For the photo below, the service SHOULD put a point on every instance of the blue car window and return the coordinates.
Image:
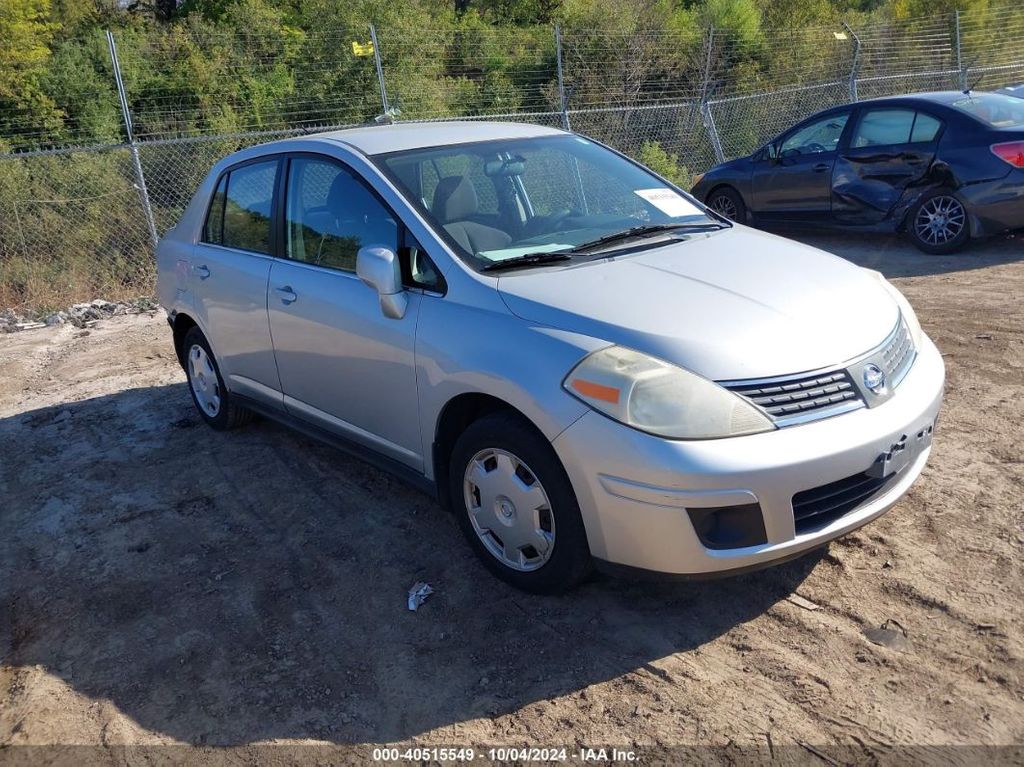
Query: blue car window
(819, 136)
(926, 128)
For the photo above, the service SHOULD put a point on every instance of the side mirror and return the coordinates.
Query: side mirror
(378, 267)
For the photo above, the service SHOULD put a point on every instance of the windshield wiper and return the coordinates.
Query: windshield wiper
(527, 259)
(637, 232)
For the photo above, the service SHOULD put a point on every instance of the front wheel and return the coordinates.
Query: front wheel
(728, 202)
(938, 224)
(516, 507)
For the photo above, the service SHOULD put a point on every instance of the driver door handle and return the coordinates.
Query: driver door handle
(821, 167)
(286, 294)
(202, 272)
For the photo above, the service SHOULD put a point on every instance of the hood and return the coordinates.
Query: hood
(728, 305)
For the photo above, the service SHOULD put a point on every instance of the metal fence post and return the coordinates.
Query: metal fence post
(855, 66)
(380, 71)
(705, 105)
(140, 177)
(563, 103)
(961, 71)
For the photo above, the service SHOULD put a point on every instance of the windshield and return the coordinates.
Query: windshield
(993, 109)
(500, 200)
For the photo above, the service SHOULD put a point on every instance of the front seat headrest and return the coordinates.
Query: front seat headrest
(454, 199)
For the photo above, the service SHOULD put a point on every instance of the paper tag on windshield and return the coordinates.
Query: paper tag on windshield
(668, 202)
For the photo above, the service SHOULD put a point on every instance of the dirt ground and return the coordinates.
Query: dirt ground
(163, 583)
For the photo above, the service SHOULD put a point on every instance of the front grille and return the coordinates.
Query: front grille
(897, 354)
(818, 506)
(788, 397)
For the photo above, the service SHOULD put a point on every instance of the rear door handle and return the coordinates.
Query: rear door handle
(821, 167)
(286, 294)
(202, 271)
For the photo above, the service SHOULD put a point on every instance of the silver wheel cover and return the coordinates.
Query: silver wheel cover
(202, 377)
(509, 510)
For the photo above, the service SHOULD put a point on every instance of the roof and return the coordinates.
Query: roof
(938, 97)
(378, 139)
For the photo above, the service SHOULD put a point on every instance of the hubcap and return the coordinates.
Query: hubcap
(203, 379)
(940, 220)
(509, 510)
(724, 205)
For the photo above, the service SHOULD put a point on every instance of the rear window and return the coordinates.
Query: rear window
(993, 109)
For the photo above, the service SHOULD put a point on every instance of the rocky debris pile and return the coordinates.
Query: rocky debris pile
(80, 315)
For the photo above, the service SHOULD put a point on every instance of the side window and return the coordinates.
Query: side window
(926, 128)
(331, 214)
(819, 136)
(213, 229)
(884, 127)
(247, 206)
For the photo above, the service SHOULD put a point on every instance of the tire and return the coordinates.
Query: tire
(209, 394)
(497, 467)
(939, 223)
(729, 203)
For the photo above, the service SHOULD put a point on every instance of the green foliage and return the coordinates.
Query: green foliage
(739, 18)
(665, 164)
(25, 35)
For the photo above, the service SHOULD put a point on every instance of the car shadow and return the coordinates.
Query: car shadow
(895, 257)
(226, 588)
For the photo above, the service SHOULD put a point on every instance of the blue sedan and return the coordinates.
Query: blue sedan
(942, 168)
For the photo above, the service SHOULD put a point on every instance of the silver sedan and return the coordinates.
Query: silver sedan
(583, 363)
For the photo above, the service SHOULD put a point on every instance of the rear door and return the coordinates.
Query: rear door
(344, 366)
(890, 151)
(793, 180)
(230, 268)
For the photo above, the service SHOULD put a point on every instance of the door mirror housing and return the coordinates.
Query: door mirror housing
(789, 154)
(379, 268)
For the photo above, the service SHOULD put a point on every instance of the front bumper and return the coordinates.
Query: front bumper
(636, 491)
(996, 206)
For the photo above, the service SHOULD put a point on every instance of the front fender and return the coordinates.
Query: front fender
(474, 350)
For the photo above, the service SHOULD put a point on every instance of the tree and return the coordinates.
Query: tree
(25, 36)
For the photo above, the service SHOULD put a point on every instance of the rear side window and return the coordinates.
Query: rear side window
(213, 230)
(239, 215)
(925, 129)
(885, 127)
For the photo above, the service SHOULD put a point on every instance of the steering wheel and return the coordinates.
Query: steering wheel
(559, 215)
(816, 147)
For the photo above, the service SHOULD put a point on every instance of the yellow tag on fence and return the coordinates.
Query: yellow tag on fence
(361, 49)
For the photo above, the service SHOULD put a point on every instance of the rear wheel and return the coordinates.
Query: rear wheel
(209, 394)
(938, 224)
(516, 507)
(729, 203)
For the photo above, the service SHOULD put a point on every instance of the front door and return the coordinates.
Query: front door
(890, 151)
(344, 366)
(793, 181)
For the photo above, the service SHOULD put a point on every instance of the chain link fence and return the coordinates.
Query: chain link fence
(78, 223)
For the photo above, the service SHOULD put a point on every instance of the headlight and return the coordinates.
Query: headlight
(660, 398)
(905, 308)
